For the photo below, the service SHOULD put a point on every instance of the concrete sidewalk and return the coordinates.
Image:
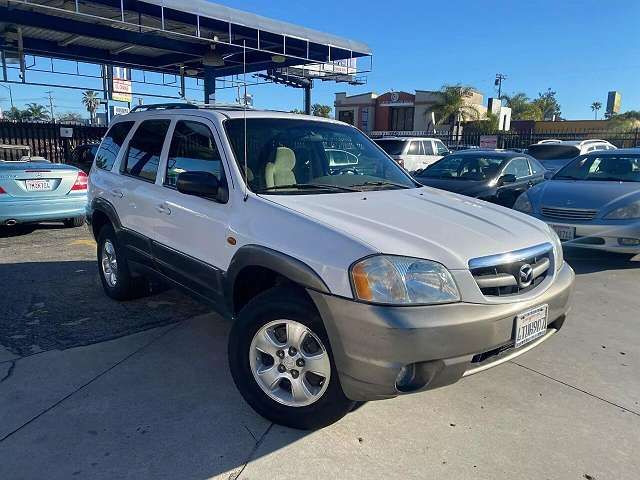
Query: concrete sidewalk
(161, 404)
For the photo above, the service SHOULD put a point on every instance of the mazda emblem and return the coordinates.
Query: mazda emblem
(525, 275)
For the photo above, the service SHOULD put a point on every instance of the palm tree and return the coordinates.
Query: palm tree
(595, 106)
(518, 103)
(453, 105)
(91, 101)
(36, 113)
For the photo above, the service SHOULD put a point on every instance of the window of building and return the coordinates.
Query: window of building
(145, 148)
(110, 147)
(346, 116)
(364, 119)
(193, 149)
(402, 118)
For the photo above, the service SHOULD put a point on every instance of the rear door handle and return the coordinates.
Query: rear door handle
(117, 193)
(162, 208)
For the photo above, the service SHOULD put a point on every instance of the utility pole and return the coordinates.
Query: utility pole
(50, 96)
(498, 83)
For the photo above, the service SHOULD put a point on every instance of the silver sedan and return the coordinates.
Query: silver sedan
(593, 202)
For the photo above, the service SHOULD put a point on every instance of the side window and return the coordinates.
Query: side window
(536, 168)
(518, 167)
(110, 146)
(193, 149)
(145, 148)
(414, 148)
(441, 149)
(428, 147)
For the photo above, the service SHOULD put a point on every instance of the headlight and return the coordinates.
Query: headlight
(558, 254)
(523, 204)
(630, 212)
(402, 280)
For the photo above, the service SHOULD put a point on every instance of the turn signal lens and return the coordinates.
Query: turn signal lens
(2, 191)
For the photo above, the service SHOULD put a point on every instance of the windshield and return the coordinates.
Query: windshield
(392, 147)
(464, 167)
(617, 168)
(553, 152)
(291, 156)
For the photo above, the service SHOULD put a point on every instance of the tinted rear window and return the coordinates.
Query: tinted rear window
(113, 140)
(145, 148)
(553, 152)
(392, 147)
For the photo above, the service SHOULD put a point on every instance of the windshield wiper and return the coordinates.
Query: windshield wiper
(606, 179)
(307, 186)
(564, 177)
(380, 184)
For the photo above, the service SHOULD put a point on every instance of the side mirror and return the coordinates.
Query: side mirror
(201, 184)
(508, 178)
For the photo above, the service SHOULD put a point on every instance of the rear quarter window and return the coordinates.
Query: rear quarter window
(111, 145)
(143, 156)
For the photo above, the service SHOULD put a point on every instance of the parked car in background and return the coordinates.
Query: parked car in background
(413, 153)
(343, 285)
(594, 202)
(83, 155)
(35, 191)
(555, 154)
(492, 175)
(18, 153)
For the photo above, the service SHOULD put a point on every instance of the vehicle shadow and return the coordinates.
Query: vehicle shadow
(155, 404)
(28, 228)
(585, 261)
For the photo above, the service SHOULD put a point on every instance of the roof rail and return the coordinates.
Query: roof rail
(593, 140)
(164, 106)
(549, 140)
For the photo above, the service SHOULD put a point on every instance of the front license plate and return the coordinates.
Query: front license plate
(565, 233)
(38, 185)
(531, 324)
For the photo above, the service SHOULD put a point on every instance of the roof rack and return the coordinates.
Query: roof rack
(190, 106)
(593, 140)
(549, 140)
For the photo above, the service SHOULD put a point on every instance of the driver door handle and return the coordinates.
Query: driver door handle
(163, 208)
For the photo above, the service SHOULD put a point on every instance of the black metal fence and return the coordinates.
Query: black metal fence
(521, 140)
(45, 139)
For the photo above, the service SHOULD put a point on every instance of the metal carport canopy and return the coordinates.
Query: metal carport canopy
(167, 36)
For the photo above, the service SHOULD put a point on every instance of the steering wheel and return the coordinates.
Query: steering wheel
(346, 171)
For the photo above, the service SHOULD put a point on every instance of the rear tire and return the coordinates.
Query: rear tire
(318, 404)
(117, 281)
(74, 222)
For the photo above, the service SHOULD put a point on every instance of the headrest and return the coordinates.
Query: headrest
(285, 159)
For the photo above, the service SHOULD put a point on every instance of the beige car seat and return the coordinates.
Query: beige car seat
(280, 171)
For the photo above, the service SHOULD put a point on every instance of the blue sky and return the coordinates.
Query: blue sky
(582, 49)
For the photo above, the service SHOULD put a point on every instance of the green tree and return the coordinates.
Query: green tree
(320, 110)
(15, 114)
(36, 113)
(484, 127)
(518, 103)
(295, 110)
(625, 121)
(595, 106)
(91, 101)
(70, 117)
(531, 112)
(548, 105)
(453, 105)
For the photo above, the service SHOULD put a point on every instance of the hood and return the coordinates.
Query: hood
(422, 223)
(465, 187)
(588, 194)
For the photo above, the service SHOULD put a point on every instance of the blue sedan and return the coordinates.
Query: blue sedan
(35, 191)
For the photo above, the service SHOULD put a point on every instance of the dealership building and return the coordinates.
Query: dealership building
(395, 111)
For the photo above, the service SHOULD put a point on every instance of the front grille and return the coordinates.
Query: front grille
(513, 273)
(568, 213)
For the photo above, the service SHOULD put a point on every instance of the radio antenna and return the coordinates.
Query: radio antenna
(244, 114)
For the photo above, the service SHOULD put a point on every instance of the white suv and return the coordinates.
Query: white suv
(345, 282)
(555, 154)
(413, 153)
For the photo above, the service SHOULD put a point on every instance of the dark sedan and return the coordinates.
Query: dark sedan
(496, 176)
(83, 155)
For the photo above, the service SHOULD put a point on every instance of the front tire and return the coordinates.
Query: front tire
(74, 222)
(281, 361)
(117, 281)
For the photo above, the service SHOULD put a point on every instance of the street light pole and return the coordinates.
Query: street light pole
(8, 87)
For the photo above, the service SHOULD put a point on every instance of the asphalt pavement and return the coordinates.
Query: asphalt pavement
(91, 388)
